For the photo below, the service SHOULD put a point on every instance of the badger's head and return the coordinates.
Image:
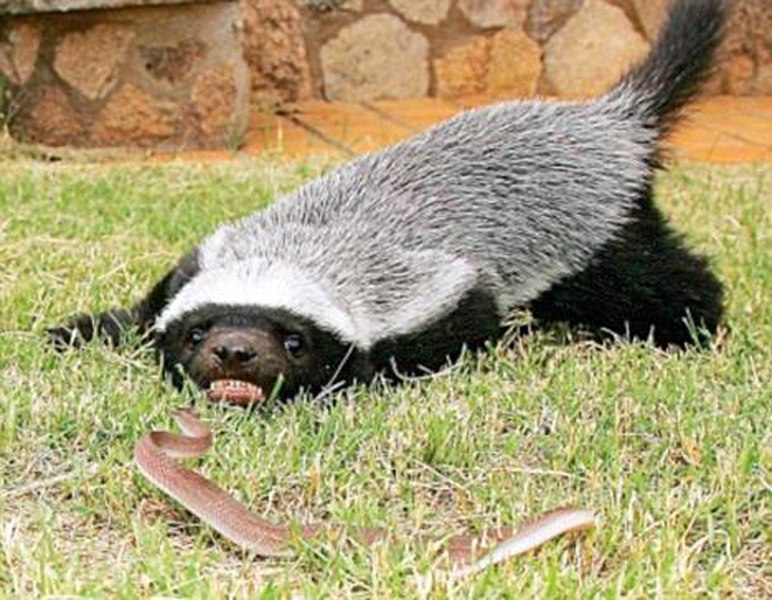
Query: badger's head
(248, 331)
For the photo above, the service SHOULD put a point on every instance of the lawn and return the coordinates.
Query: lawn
(672, 450)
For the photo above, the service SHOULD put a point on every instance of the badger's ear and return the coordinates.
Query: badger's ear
(187, 269)
(431, 285)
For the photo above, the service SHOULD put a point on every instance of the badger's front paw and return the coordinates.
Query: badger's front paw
(73, 333)
(80, 329)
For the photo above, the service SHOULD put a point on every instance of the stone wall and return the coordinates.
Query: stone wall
(381, 49)
(176, 73)
(160, 76)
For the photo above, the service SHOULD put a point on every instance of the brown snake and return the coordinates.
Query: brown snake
(155, 455)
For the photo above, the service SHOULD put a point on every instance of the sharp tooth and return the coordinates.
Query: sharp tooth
(236, 390)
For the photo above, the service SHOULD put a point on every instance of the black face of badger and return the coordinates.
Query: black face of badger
(399, 260)
(274, 350)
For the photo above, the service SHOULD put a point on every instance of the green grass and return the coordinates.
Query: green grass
(671, 450)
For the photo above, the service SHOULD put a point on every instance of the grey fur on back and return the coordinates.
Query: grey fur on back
(509, 199)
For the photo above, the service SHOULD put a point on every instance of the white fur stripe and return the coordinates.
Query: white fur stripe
(254, 283)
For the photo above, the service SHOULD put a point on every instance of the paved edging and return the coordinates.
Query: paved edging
(720, 129)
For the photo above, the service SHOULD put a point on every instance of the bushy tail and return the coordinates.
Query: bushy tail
(680, 60)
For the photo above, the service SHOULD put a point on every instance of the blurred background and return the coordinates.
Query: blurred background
(262, 74)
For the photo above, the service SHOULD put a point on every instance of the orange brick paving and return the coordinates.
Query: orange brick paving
(271, 132)
(415, 114)
(727, 130)
(719, 129)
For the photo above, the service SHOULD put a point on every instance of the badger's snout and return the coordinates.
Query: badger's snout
(233, 349)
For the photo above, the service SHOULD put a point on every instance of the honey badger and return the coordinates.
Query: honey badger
(403, 257)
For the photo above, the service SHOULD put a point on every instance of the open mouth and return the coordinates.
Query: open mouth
(234, 391)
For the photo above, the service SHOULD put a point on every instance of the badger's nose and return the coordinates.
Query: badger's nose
(240, 354)
(234, 349)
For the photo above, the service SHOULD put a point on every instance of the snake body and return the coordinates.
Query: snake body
(155, 454)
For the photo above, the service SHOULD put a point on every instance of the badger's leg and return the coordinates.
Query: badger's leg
(645, 283)
(112, 325)
(473, 322)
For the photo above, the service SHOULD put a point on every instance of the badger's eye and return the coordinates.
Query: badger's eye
(293, 344)
(195, 336)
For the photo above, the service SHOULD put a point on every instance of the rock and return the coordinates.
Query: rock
(494, 13)
(737, 72)
(762, 84)
(378, 57)
(515, 64)
(746, 55)
(172, 63)
(592, 50)
(429, 12)
(19, 55)
(509, 62)
(49, 119)
(462, 71)
(215, 95)
(26, 42)
(652, 14)
(89, 61)
(169, 76)
(545, 17)
(133, 117)
(7, 68)
(275, 50)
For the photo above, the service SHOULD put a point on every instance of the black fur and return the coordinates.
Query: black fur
(474, 322)
(644, 284)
